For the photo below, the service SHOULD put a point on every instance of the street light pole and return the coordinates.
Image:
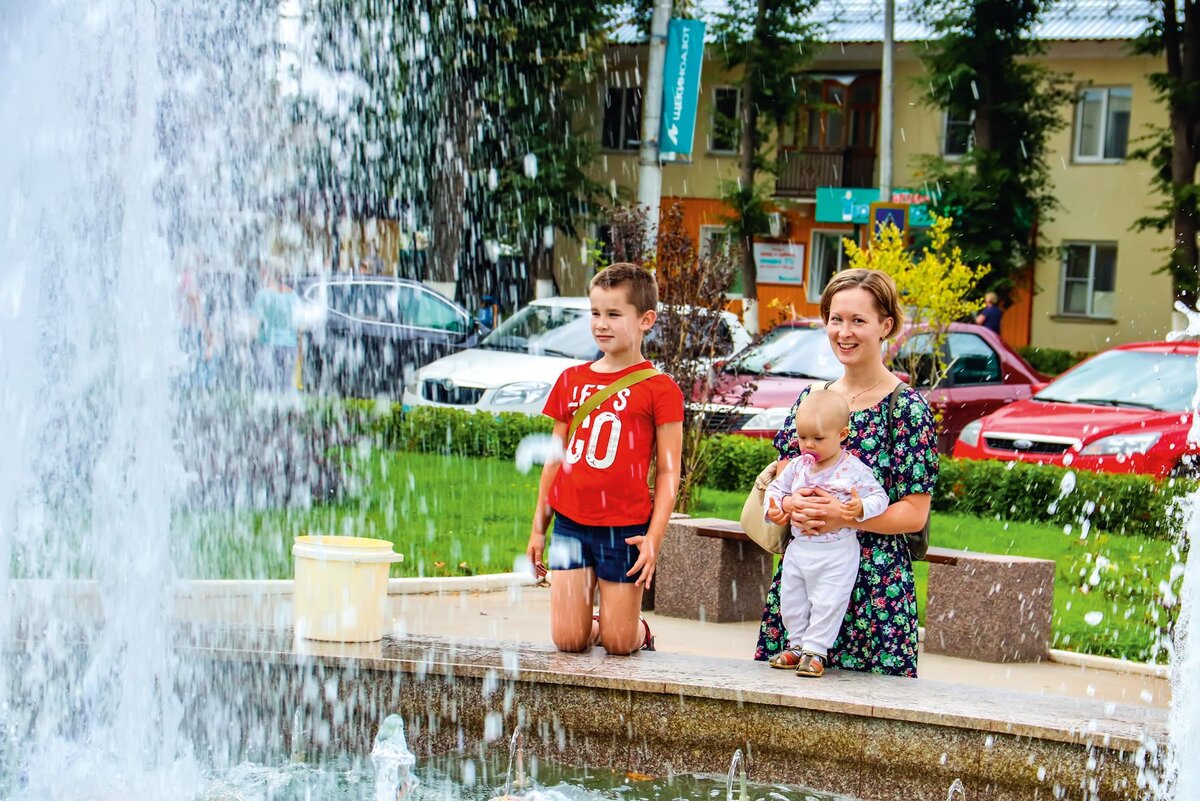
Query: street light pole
(649, 167)
(885, 102)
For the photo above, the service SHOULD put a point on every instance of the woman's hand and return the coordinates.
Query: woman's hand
(646, 561)
(816, 511)
(537, 545)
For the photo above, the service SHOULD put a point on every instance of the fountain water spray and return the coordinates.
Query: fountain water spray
(515, 775)
(736, 771)
(116, 161)
(394, 780)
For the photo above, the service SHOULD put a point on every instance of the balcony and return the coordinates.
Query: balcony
(802, 171)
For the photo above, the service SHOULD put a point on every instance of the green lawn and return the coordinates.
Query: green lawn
(457, 516)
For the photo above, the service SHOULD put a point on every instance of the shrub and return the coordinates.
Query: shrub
(452, 431)
(1108, 502)
(1051, 361)
(241, 454)
(734, 461)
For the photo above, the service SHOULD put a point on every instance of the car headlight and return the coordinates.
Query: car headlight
(970, 433)
(521, 392)
(768, 419)
(1124, 444)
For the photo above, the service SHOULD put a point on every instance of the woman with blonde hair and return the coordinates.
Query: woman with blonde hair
(861, 310)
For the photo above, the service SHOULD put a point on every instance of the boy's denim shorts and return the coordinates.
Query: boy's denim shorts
(603, 548)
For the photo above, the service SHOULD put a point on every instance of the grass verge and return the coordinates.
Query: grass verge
(453, 516)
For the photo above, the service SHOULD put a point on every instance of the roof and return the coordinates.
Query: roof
(851, 21)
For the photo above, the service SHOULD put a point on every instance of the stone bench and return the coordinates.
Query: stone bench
(708, 569)
(981, 606)
(990, 607)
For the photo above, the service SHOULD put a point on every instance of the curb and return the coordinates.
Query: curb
(441, 585)
(1109, 663)
(1090, 662)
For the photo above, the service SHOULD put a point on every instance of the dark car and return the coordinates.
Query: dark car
(1126, 410)
(366, 333)
(757, 389)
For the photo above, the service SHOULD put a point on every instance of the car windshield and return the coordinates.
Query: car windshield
(790, 353)
(546, 331)
(1141, 379)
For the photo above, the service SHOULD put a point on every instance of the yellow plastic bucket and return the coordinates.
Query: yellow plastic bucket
(341, 587)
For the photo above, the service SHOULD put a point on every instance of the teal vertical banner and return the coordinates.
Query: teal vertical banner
(681, 85)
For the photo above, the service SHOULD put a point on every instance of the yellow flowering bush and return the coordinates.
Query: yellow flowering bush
(934, 284)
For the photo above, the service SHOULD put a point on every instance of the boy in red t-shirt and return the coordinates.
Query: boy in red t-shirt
(606, 529)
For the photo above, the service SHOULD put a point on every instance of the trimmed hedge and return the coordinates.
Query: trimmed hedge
(1006, 490)
(1111, 502)
(734, 461)
(1003, 490)
(430, 429)
(1051, 361)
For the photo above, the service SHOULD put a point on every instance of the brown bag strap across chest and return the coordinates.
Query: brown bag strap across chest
(593, 402)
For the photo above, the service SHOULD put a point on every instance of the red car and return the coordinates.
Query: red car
(984, 375)
(1126, 410)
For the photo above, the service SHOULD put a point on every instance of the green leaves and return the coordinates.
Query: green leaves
(981, 68)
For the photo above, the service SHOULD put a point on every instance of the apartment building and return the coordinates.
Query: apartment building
(1100, 286)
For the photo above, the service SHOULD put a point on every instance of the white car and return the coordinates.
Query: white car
(514, 367)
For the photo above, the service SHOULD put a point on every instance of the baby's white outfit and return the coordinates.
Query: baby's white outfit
(819, 570)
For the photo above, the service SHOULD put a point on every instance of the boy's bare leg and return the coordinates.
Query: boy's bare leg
(621, 631)
(571, 595)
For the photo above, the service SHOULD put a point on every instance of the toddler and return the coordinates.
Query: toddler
(819, 570)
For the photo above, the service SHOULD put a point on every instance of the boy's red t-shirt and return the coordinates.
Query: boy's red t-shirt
(602, 478)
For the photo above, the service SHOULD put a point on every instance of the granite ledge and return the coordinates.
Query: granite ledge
(1123, 727)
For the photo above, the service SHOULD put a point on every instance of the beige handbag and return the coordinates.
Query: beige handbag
(769, 536)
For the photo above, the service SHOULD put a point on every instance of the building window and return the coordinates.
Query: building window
(1102, 124)
(1088, 279)
(717, 239)
(958, 135)
(826, 257)
(622, 118)
(864, 103)
(726, 119)
(826, 124)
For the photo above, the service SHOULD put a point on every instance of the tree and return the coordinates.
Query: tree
(689, 335)
(533, 186)
(772, 42)
(455, 116)
(981, 68)
(1174, 149)
(935, 286)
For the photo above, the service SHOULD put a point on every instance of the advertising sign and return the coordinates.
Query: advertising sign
(889, 214)
(779, 262)
(681, 85)
(846, 205)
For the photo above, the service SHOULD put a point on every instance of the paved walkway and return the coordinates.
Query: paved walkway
(523, 613)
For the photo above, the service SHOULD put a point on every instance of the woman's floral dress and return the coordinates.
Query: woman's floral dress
(879, 632)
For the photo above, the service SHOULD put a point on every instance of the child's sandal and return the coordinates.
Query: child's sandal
(648, 638)
(811, 666)
(786, 660)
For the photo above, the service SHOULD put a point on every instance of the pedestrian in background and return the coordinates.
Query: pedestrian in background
(990, 316)
(275, 310)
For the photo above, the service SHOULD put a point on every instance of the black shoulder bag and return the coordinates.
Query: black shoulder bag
(918, 541)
